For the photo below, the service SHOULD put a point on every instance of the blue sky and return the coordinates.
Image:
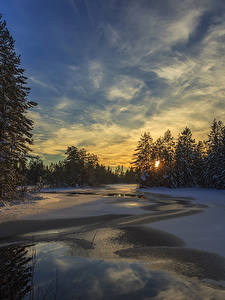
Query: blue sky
(103, 72)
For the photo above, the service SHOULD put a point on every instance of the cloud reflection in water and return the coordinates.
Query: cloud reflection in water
(83, 278)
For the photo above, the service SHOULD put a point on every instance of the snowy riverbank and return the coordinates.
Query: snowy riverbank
(203, 231)
(210, 197)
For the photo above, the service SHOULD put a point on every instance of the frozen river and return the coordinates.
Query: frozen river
(113, 242)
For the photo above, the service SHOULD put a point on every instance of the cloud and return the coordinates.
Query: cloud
(64, 103)
(175, 71)
(120, 68)
(181, 29)
(126, 88)
(96, 74)
(103, 140)
(42, 84)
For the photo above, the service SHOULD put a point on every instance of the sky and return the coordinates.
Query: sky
(104, 72)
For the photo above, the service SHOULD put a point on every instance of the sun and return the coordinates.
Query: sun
(157, 163)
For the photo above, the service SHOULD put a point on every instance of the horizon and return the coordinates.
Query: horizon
(104, 72)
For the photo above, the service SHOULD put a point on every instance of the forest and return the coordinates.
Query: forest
(79, 168)
(167, 161)
(184, 162)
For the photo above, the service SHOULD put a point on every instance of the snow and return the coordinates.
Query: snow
(86, 206)
(57, 204)
(206, 230)
(210, 197)
(59, 189)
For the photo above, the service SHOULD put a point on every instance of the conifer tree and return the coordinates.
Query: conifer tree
(143, 153)
(184, 159)
(167, 160)
(144, 158)
(199, 155)
(36, 171)
(73, 166)
(215, 162)
(15, 127)
(222, 172)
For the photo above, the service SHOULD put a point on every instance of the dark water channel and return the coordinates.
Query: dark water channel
(111, 256)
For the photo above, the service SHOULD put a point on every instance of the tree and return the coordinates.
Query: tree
(73, 165)
(17, 271)
(144, 157)
(36, 171)
(199, 155)
(184, 159)
(130, 176)
(143, 153)
(15, 127)
(165, 148)
(214, 171)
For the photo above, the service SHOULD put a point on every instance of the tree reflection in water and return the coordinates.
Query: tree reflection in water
(16, 271)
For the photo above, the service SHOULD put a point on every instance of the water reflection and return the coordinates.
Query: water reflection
(66, 270)
(16, 272)
(61, 276)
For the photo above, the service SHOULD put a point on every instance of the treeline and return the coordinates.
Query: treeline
(182, 163)
(77, 169)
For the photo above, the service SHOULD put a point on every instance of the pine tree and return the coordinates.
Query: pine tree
(166, 165)
(144, 157)
(199, 155)
(222, 166)
(184, 159)
(36, 172)
(15, 127)
(214, 171)
(73, 166)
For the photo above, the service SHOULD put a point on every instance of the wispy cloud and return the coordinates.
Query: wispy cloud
(122, 67)
(42, 84)
(96, 74)
(126, 88)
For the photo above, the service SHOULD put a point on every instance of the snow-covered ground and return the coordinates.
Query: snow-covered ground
(61, 189)
(210, 197)
(57, 203)
(206, 230)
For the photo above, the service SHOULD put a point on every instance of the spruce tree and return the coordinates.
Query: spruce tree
(73, 166)
(214, 171)
(167, 160)
(144, 157)
(222, 172)
(15, 127)
(199, 155)
(184, 159)
(36, 172)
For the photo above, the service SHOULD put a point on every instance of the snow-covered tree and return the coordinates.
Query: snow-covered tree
(214, 171)
(15, 127)
(184, 159)
(144, 156)
(166, 159)
(185, 163)
(199, 156)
